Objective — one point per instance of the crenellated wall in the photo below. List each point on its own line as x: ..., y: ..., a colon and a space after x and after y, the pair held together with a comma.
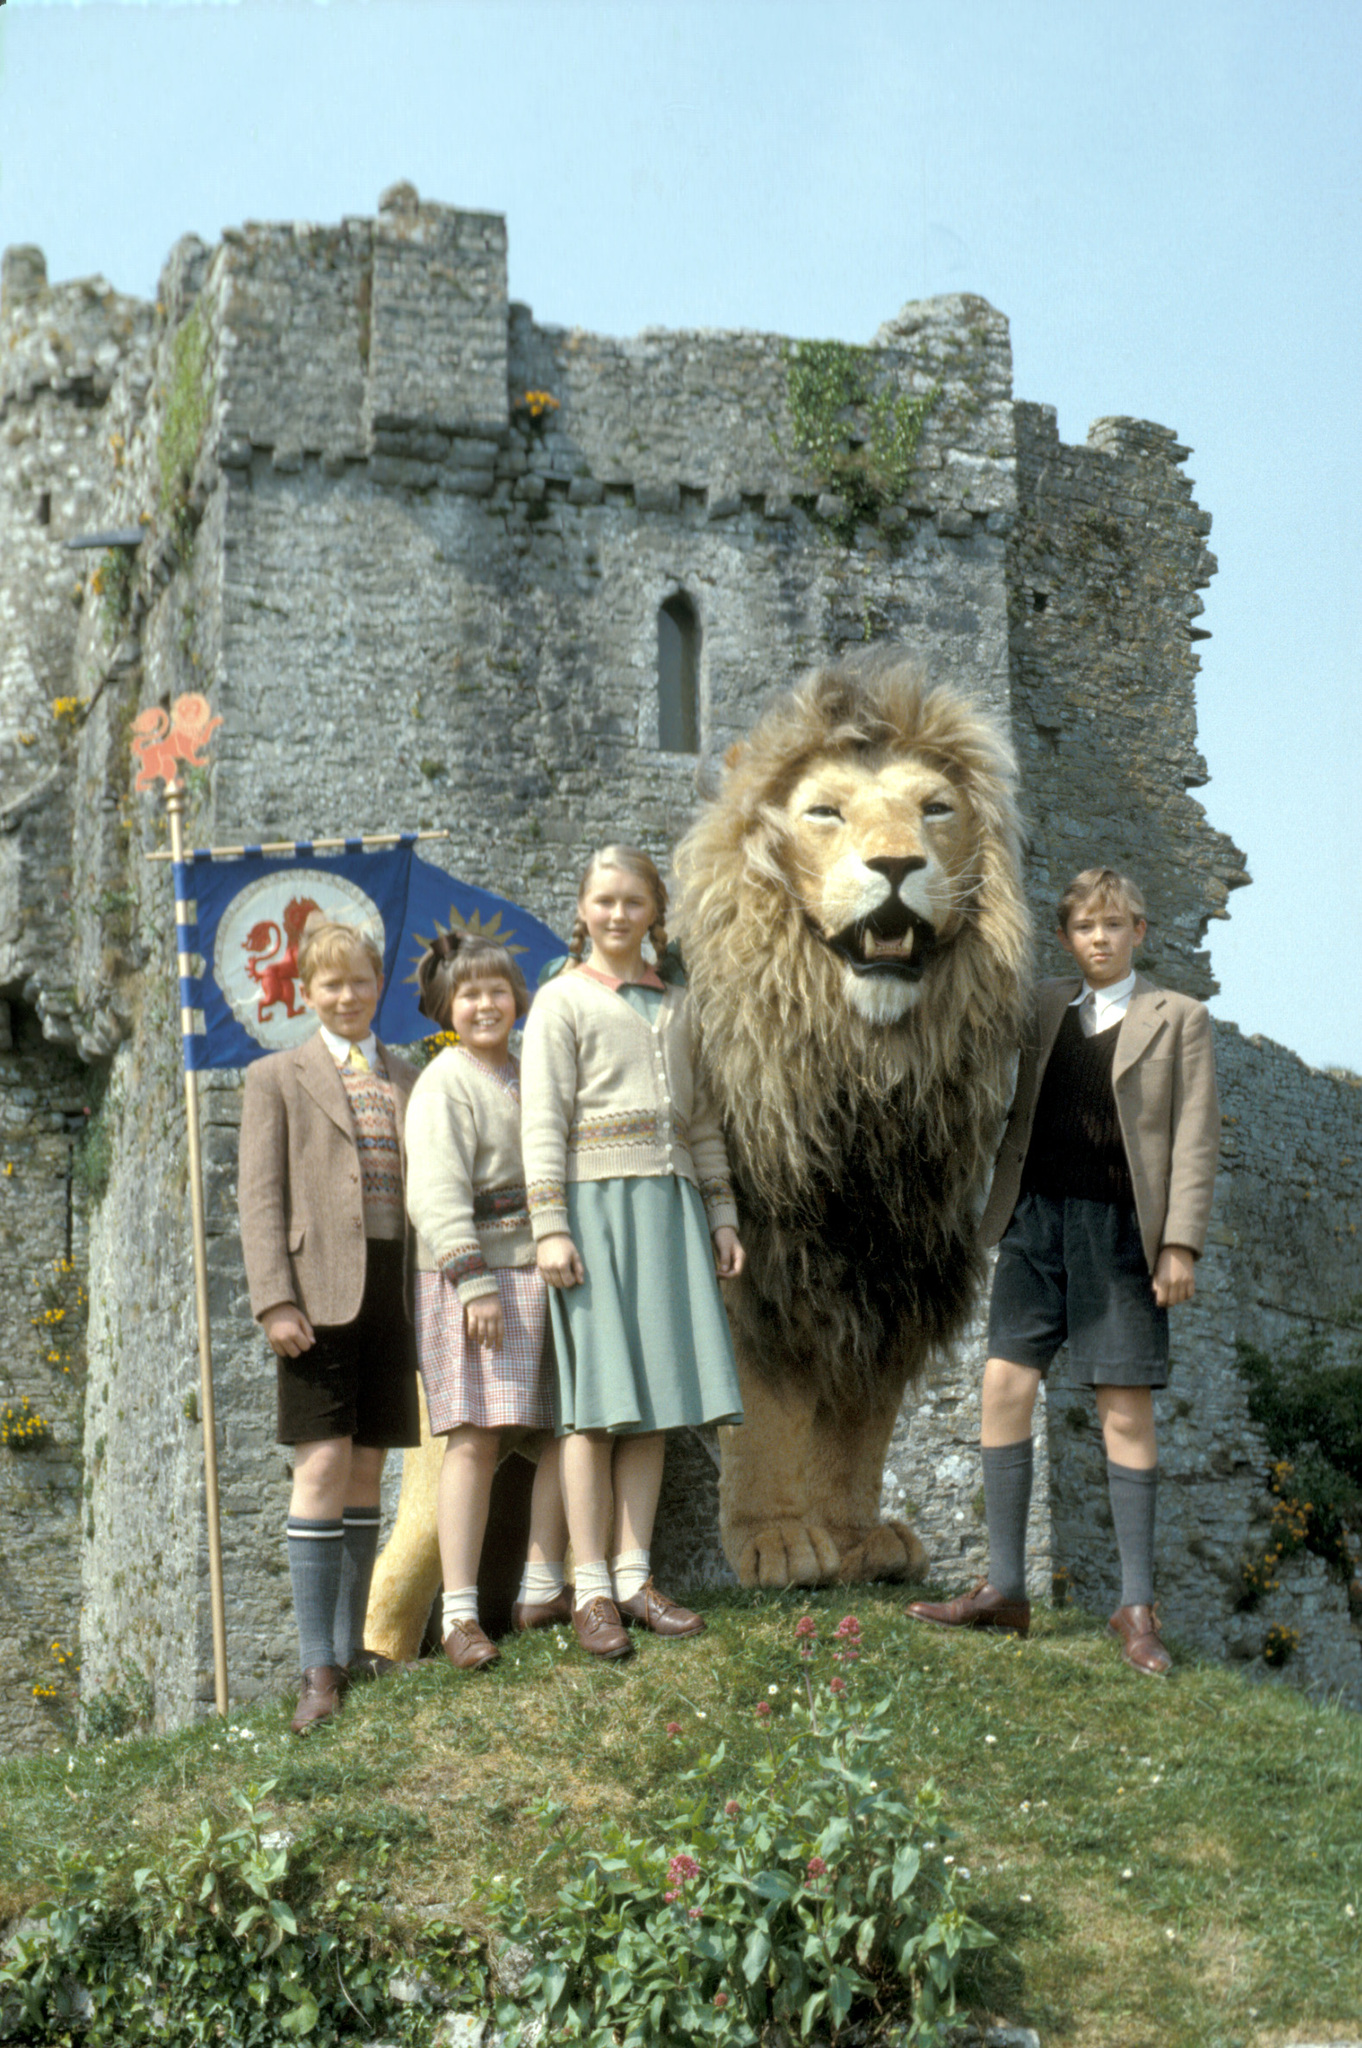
x: 415, y: 599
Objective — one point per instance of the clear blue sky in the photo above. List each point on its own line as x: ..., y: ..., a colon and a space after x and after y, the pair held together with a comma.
x: 1166, y: 200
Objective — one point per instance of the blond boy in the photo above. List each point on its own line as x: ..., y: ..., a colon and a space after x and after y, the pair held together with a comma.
x: 1099, y: 1206
x: 323, y: 1231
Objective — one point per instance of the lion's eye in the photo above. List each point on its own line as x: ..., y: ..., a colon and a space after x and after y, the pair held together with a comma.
x: 824, y: 811
x: 938, y: 810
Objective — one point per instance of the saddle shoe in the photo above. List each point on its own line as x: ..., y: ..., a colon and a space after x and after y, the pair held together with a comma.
x: 320, y: 1698
x: 985, y: 1607
x: 542, y: 1614
x: 651, y: 1609
x: 467, y: 1648
x: 1136, y: 1629
x: 598, y: 1629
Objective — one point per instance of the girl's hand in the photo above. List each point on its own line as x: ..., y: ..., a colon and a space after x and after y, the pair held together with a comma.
x: 560, y: 1262
x: 483, y: 1321
x: 729, y: 1256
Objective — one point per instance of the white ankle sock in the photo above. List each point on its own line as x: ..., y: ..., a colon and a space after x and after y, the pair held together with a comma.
x: 629, y: 1573
x: 593, y: 1583
x: 540, y: 1583
x: 460, y: 1603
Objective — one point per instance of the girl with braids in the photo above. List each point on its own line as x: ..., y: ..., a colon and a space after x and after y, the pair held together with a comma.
x: 631, y: 1206
x: 479, y: 1298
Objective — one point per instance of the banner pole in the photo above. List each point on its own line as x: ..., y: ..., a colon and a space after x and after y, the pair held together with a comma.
x: 175, y: 803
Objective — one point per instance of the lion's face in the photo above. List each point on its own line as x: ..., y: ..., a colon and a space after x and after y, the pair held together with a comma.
x: 882, y: 853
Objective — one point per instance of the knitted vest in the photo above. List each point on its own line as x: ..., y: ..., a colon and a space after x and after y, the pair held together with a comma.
x: 374, y: 1112
x: 1076, y: 1145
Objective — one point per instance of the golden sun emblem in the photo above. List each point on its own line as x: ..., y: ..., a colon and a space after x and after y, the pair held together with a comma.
x: 477, y: 927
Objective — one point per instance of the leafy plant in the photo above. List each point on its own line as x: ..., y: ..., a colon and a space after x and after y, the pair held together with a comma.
x: 820, y: 1891
x: 1308, y: 1403
x: 857, y: 430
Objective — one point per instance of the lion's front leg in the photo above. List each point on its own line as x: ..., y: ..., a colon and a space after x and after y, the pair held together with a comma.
x: 407, y: 1574
x: 769, y: 1535
x: 845, y: 1481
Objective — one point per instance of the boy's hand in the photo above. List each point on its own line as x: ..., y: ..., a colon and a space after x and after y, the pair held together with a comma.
x: 560, y: 1262
x: 288, y: 1329
x: 1174, y: 1276
x: 729, y: 1256
x: 483, y: 1321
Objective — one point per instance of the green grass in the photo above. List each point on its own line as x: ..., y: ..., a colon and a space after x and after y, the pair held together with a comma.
x: 1163, y: 1863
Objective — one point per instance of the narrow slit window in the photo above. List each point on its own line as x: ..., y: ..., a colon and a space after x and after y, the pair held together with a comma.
x: 678, y: 677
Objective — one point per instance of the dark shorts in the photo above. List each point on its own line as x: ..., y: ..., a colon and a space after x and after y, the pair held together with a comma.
x: 1075, y: 1272
x: 359, y: 1379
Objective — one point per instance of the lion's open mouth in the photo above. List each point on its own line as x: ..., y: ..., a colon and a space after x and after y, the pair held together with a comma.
x: 893, y: 941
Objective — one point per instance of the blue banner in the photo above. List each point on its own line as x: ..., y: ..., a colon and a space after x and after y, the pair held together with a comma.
x: 240, y: 921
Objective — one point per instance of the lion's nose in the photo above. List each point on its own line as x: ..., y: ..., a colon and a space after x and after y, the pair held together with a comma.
x: 894, y: 870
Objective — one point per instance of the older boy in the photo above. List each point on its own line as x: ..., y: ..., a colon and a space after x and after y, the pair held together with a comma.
x: 323, y: 1230
x: 1101, y: 1197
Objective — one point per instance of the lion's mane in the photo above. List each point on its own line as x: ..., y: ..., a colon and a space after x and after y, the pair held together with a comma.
x: 860, y: 1150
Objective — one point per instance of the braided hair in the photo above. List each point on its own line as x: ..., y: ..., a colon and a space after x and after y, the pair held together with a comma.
x: 634, y: 862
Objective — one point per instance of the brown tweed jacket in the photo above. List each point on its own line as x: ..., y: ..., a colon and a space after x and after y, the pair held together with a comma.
x: 298, y: 1187
x: 1163, y: 1078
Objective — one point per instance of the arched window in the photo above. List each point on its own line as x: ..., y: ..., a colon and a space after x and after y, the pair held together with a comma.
x: 678, y: 676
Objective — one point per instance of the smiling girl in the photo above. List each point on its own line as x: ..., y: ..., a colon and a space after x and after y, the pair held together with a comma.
x: 480, y: 1298
x: 631, y: 1205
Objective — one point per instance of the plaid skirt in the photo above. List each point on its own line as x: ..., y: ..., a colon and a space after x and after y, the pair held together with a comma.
x: 470, y: 1384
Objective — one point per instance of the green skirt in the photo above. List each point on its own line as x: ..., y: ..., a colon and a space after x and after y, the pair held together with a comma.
x: 643, y: 1343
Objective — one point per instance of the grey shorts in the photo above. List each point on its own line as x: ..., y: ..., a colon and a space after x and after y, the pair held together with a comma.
x: 1075, y: 1272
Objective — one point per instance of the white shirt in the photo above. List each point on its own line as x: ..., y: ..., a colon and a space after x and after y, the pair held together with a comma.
x: 339, y: 1048
x: 1106, y: 1007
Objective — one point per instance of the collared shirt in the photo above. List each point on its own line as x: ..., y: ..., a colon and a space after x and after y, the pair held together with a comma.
x: 648, y: 978
x: 339, y: 1048
x: 1106, y: 1007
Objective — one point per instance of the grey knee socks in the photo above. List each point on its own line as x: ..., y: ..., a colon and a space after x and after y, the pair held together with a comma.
x: 359, y: 1549
x: 1133, y: 1495
x: 1007, y: 1500
x: 315, y: 1555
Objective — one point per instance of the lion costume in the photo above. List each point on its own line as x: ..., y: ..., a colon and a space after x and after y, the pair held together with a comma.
x: 857, y: 944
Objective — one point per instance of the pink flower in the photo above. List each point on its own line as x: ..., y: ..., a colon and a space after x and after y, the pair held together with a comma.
x: 670, y: 1898
x: 763, y: 1710
x: 732, y: 1807
x: 694, y: 1913
x: 805, y: 1626
x: 682, y: 1868
x: 720, y: 2000
x: 848, y: 1627
x: 837, y: 1685
x: 673, y: 1728
x: 816, y: 1868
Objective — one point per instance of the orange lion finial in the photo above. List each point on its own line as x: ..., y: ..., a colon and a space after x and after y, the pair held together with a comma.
x: 160, y: 742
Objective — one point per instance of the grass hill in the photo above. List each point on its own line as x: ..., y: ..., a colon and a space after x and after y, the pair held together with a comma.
x: 1162, y: 1865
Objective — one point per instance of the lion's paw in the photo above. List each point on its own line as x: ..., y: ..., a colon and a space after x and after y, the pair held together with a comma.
x: 788, y: 1554
x: 888, y: 1551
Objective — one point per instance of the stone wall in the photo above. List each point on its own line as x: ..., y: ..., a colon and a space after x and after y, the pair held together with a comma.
x: 415, y: 599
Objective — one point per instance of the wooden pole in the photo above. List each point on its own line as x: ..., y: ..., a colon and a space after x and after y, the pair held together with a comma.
x: 175, y: 803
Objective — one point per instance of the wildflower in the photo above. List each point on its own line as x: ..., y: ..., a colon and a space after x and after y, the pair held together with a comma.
x: 1025, y: 1898
x: 670, y: 1898
x: 1126, y: 1875
x: 732, y: 1808
x: 694, y: 1913
x: 815, y: 1868
x: 1026, y: 1806
x: 849, y: 1629
x: 720, y: 2000
x: 837, y: 1685
x: 805, y: 1626
x: 673, y: 1728
x: 681, y: 1868
x: 763, y: 1710
x: 990, y: 1739
x: 773, y: 1688
x: 1349, y: 1913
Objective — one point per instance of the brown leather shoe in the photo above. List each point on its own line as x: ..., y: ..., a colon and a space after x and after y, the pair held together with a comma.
x: 985, y: 1607
x: 598, y: 1629
x: 651, y: 1609
x: 369, y: 1664
x: 1136, y: 1629
x: 320, y: 1698
x: 531, y: 1614
x: 468, y: 1649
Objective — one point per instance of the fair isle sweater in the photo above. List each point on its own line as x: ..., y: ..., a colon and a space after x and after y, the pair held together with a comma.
x: 370, y: 1096
x: 465, y: 1180
x: 609, y: 1094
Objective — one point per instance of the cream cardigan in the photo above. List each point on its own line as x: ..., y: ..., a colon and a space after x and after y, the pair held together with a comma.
x: 609, y: 1094
x: 465, y: 1179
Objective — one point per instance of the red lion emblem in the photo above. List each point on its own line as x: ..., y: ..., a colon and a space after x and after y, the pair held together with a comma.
x: 277, y: 976
x: 160, y: 742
